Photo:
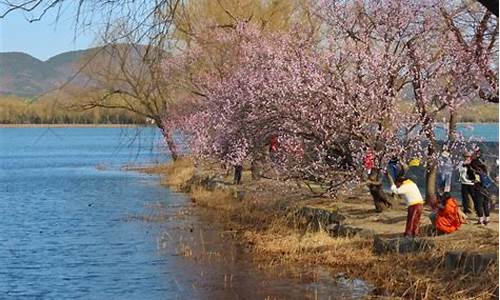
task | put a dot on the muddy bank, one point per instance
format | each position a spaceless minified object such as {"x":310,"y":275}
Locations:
{"x":280,"y":222}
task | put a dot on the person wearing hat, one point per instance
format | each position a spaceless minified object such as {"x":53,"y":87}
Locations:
{"x":411,"y":194}
{"x":468,"y":190}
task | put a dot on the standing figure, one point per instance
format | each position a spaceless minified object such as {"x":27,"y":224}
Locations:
{"x":238,"y":170}
{"x":368,"y":161}
{"x":445,"y":168}
{"x":411,"y":194}
{"x":273,"y":144}
{"x":482,"y":183}
{"x":468,"y":191}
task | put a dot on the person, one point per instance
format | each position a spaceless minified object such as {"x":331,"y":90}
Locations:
{"x":369,"y":161}
{"x":468,"y":191}
{"x":393,"y":170}
{"x":482,"y":183}
{"x":448,"y":217}
{"x":238,"y":170}
{"x":445,"y":167}
{"x":477,"y":162}
{"x":411,"y":194}
{"x":273,"y":144}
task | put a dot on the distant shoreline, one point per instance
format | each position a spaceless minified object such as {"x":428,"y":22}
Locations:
{"x":71,"y":125}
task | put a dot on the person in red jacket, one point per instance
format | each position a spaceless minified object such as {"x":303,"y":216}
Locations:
{"x":273,"y":144}
{"x":369,"y":161}
{"x":448,"y":217}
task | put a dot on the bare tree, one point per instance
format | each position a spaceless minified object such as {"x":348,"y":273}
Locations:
{"x":127,"y":71}
{"x":132,"y":77}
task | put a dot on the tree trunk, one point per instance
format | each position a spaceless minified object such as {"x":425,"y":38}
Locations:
{"x":256,"y":169}
{"x":430,"y":176}
{"x":452,"y":129}
{"x":169,"y":139}
{"x":375,"y":186}
{"x":257,"y":162}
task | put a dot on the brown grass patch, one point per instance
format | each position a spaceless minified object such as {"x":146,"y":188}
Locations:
{"x":177,"y":173}
{"x":264,"y":223}
{"x":218,"y":199}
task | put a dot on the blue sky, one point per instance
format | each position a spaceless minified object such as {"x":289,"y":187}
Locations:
{"x":43,"y":39}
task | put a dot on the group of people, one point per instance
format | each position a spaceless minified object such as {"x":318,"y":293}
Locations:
{"x":446,"y":216}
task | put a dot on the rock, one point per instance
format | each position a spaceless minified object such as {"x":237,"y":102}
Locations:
{"x":470,"y":261}
{"x":337,"y":230}
{"x":239,"y":195}
{"x":315,"y":218}
{"x":401,"y":245}
{"x":207,"y":182}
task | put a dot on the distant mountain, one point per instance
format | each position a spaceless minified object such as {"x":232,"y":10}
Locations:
{"x":25,"y":76}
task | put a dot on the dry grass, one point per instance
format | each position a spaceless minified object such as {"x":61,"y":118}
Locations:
{"x":480,"y":112}
{"x":217,"y":199}
{"x":285,"y":244}
{"x":474,"y":112}
{"x":174,"y":173}
{"x":419,"y":276}
{"x":274,"y":238}
{"x":179,"y":172}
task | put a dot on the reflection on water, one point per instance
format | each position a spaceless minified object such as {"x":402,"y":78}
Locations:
{"x":217,"y":267}
{"x":75,"y":225}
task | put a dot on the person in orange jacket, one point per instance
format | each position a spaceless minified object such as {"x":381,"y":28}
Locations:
{"x":448,"y":217}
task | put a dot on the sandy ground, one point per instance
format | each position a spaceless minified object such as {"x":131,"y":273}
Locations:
{"x":392,"y":221}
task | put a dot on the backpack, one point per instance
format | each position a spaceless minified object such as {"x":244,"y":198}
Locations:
{"x":485,"y":180}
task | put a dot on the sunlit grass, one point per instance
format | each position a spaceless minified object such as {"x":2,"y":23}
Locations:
{"x":274,"y":237}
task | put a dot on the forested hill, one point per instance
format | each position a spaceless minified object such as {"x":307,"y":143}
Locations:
{"x":23,"y":75}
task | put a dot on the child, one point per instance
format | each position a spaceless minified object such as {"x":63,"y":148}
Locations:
{"x":411,"y":194}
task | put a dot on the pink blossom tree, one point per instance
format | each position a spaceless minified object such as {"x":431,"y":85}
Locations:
{"x":435,"y":61}
{"x":325,"y":104}
{"x":329,"y":101}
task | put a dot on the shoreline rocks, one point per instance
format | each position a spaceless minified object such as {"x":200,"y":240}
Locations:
{"x":401,"y":245}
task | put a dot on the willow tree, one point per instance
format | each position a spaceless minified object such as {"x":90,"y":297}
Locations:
{"x":192,"y":17}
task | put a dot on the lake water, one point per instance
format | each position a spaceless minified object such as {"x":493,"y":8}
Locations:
{"x":485,"y":132}
{"x":74,"y":225}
